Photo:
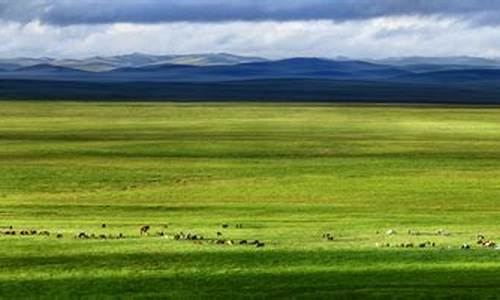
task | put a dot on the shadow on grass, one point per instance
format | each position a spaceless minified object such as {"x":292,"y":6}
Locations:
{"x":257,"y":274}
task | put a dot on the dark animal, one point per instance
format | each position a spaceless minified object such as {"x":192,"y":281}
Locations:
{"x":103,"y":225}
{"x":144,"y":229}
{"x":219,"y":233}
{"x":83,"y":235}
{"x":243,"y":242}
{"x":259,"y":245}
{"x":59,"y":235}
{"x":225,"y":226}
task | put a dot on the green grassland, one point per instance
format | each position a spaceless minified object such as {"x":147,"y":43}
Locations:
{"x":287,"y":173}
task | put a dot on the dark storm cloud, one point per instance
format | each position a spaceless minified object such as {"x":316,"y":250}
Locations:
{"x":69,"y":12}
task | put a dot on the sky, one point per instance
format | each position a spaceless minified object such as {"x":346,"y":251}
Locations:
{"x":267,"y":28}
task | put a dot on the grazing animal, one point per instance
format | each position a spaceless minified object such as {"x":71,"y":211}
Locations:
{"x":489,"y":244}
{"x":144,"y":229}
{"x":219,"y":233}
{"x":243,"y":242}
{"x":225,"y":225}
{"x":259,"y":245}
{"x":465,"y":246}
{"x":59,"y":235}
{"x":120,"y":235}
{"x":103,"y":225}
{"x":391,"y":232}
{"x":83,"y":235}
{"x":422,"y":245}
{"x":102,"y":236}
{"x":220,"y":242}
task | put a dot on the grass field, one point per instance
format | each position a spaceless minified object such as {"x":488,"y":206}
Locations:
{"x":286,"y":173}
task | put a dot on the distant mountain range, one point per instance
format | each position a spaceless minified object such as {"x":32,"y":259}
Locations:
{"x":134,"y":60}
{"x":219,"y":76}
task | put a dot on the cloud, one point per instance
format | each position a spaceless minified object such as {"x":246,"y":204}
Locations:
{"x":375,"y":37}
{"x":71,"y":12}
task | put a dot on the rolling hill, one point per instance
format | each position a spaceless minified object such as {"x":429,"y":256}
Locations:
{"x":229,"y":77}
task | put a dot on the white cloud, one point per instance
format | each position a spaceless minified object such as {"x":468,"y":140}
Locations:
{"x":379,"y":37}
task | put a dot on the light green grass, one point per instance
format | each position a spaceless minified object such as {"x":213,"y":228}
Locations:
{"x":288,"y":173}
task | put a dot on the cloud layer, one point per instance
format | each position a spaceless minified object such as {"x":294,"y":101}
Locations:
{"x":68,"y":12}
{"x":380,"y":37}
{"x":269,"y":28}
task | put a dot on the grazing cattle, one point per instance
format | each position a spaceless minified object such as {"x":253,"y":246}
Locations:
{"x":103,"y":225}
{"x":120,"y":235}
{"x":488,"y":244}
{"x":144,"y":229}
{"x":243,"y":242}
{"x":259,"y":245}
{"x":219,"y":233}
{"x":59,"y":236}
{"x":102,"y":236}
{"x":225,"y":225}
{"x":220,"y":242}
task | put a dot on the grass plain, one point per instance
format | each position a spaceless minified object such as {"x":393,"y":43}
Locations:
{"x":287,"y":172}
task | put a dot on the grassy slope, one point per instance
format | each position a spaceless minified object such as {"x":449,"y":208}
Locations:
{"x":288,"y":173}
